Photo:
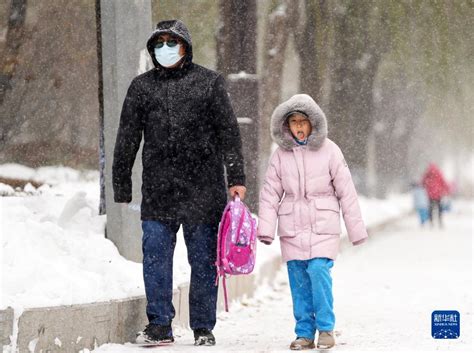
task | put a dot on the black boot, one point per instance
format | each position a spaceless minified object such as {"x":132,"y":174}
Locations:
{"x":155,"y":334}
{"x":204,"y":337}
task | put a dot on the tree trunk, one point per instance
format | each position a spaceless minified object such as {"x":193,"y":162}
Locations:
{"x":9,"y":61}
{"x":15,"y":32}
{"x":312,"y":45}
{"x":234,"y":52}
{"x":275,"y":42}
{"x":359,"y":42}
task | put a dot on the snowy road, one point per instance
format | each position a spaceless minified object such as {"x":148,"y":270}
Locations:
{"x":385,"y":292}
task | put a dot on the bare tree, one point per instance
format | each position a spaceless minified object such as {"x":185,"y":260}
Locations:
{"x":275,"y":43}
{"x":360,"y":40}
{"x":311,"y":29}
{"x":235,"y":52}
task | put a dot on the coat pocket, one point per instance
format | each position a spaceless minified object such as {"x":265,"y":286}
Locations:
{"x":327,"y":216}
{"x":286,"y":220}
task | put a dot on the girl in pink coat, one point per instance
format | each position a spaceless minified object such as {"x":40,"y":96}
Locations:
{"x":306,"y":184}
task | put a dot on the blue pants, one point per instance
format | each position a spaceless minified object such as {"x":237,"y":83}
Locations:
{"x":311,"y":291}
{"x":159,"y":240}
{"x":423,"y":214}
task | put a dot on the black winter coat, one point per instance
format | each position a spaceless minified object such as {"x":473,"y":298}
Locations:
{"x":190,"y":132}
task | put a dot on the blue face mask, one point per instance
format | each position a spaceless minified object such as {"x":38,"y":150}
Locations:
{"x":167,"y":56}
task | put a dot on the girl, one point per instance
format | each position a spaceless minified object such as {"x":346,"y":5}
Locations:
{"x":305,"y":184}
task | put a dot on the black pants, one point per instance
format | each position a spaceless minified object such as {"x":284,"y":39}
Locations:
{"x":436,"y":204}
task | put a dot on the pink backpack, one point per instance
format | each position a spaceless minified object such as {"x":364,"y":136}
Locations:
{"x":236,"y":243}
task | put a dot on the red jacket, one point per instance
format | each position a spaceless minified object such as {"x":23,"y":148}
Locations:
{"x":434,"y":183}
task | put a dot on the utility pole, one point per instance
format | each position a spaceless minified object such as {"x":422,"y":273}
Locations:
{"x":123,"y":29}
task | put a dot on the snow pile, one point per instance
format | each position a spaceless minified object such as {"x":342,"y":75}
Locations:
{"x":49,"y":175}
{"x":53,"y":247}
{"x":12,"y":170}
{"x":6,"y":190}
{"x":376,"y":211}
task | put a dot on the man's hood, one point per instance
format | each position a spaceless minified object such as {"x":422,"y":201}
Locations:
{"x":301,"y":103}
{"x":172,"y":27}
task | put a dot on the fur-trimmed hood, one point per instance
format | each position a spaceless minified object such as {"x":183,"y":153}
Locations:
{"x":299,"y":103}
{"x":172,"y":27}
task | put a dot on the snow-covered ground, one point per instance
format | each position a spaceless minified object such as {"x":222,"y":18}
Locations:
{"x":385,"y":292}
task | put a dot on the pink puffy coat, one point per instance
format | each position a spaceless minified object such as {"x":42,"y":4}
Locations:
{"x":305,"y":187}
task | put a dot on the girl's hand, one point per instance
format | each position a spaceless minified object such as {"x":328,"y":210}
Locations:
{"x":238,"y":190}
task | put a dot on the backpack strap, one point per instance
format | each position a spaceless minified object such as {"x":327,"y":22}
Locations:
{"x":219,"y":260}
{"x":221,"y":274}
{"x":224,"y":287}
{"x":242,"y":216}
{"x":219,"y":241}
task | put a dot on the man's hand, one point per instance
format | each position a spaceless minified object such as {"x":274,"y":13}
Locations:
{"x":238,"y":190}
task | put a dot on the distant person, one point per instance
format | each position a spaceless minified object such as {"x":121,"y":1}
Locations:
{"x":306,"y":184}
{"x":421,"y":202}
{"x":436,"y":187}
{"x":190,"y":132}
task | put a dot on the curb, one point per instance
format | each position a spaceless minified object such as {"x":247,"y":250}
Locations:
{"x":6,"y":326}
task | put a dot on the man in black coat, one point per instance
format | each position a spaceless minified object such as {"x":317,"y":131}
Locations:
{"x":190,"y":133}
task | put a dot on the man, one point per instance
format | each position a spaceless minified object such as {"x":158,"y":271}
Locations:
{"x":190,"y":133}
